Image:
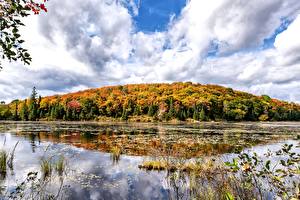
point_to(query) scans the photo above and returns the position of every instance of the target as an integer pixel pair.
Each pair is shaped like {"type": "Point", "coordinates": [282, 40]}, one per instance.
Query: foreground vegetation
{"type": "Point", "coordinates": [38, 185]}
{"type": "Point", "coordinates": [158, 102]}
{"type": "Point", "coordinates": [276, 175]}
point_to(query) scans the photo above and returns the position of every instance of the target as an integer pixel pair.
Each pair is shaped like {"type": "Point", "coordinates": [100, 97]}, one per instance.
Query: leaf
{"type": "Point", "coordinates": [229, 196]}
{"type": "Point", "coordinates": [282, 162]}
{"type": "Point", "coordinates": [268, 165]}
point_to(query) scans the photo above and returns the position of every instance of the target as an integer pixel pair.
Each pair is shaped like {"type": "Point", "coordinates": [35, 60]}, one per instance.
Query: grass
{"type": "Point", "coordinates": [3, 161]}
{"type": "Point", "coordinates": [11, 157]}
{"type": "Point", "coordinates": [60, 165]}
{"type": "Point", "coordinates": [247, 177]}
{"type": "Point", "coordinates": [200, 179]}
{"type": "Point", "coordinates": [154, 165]}
{"type": "Point", "coordinates": [46, 167]}
{"type": "Point", "coordinates": [177, 165]}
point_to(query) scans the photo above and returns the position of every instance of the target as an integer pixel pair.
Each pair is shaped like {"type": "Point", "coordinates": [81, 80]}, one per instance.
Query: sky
{"type": "Point", "coordinates": [253, 46]}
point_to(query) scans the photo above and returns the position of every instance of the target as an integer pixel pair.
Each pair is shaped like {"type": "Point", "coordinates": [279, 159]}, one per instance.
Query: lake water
{"type": "Point", "coordinates": [92, 172]}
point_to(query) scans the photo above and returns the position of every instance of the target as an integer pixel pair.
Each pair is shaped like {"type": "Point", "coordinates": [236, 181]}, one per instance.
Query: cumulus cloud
{"type": "Point", "coordinates": [96, 32]}
{"type": "Point", "coordinates": [81, 44]}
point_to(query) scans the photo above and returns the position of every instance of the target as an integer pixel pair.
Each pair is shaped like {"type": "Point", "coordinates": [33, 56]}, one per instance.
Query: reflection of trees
{"type": "Point", "coordinates": [31, 137]}
{"type": "Point", "coordinates": [161, 142]}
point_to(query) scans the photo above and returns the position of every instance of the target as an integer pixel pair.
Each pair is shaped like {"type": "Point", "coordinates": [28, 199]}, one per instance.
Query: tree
{"type": "Point", "coordinates": [33, 105]}
{"type": "Point", "coordinates": [172, 111]}
{"type": "Point", "coordinates": [11, 12]}
{"type": "Point", "coordinates": [152, 110]}
{"type": "Point", "coordinates": [15, 114]}
{"type": "Point", "coordinates": [124, 114]}
{"type": "Point", "coordinates": [202, 115]}
{"type": "Point", "coordinates": [24, 111]}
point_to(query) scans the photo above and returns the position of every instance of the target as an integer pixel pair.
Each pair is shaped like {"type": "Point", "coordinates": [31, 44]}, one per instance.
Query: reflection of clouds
{"type": "Point", "coordinates": [95, 169]}
{"type": "Point", "coordinates": [122, 181]}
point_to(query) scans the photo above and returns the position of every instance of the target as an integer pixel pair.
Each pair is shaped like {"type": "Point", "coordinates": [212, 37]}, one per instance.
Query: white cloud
{"type": "Point", "coordinates": [81, 44]}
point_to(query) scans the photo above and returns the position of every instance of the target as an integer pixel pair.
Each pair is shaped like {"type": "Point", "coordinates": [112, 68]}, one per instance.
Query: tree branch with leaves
{"type": "Point", "coordinates": [11, 14]}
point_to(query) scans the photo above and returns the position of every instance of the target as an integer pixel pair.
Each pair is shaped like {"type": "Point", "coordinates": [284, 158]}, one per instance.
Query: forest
{"type": "Point", "coordinates": [152, 102]}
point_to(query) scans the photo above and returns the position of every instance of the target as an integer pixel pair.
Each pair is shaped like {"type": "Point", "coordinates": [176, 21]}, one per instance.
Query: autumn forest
{"type": "Point", "coordinates": [152, 102]}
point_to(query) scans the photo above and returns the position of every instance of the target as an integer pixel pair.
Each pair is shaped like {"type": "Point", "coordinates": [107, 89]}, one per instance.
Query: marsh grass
{"type": "Point", "coordinates": [60, 165]}
{"type": "Point", "coordinates": [274, 176]}
{"type": "Point", "coordinates": [46, 167]}
{"type": "Point", "coordinates": [12, 156]}
{"type": "Point", "coordinates": [3, 161]}
{"type": "Point", "coordinates": [154, 165]}
{"type": "Point", "coordinates": [173, 164]}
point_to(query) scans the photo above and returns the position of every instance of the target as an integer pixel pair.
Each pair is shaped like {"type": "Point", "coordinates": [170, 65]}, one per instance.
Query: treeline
{"type": "Point", "coordinates": [161, 102]}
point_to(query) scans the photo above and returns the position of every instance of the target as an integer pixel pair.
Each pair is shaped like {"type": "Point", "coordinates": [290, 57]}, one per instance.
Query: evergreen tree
{"type": "Point", "coordinates": [172, 111]}
{"type": "Point", "coordinates": [152, 110]}
{"type": "Point", "coordinates": [33, 105]}
{"type": "Point", "coordinates": [124, 114]}
{"type": "Point", "coordinates": [196, 113]}
{"type": "Point", "coordinates": [137, 110]}
{"type": "Point", "coordinates": [202, 115]}
{"type": "Point", "coordinates": [39, 107]}
{"type": "Point", "coordinates": [24, 111]}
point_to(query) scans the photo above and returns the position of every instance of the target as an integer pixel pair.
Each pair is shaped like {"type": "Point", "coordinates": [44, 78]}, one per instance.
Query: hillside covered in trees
{"type": "Point", "coordinates": [154, 102]}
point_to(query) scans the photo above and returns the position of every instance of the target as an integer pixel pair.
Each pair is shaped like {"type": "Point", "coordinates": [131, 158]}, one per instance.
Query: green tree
{"type": "Point", "coordinates": [152, 110]}
{"type": "Point", "coordinates": [24, 111]}
{"type": "Point", "coordinates": [124, 114]}
{"type": "Point", "coordinates": [172, 111]}
{"type": "Point", "coordinates": [33, 105]}
{"type": "Point", "coordinates": [16, 104]}
{"type": "Point", "coordinates": [202, 115]}
{"type": "Point", "coordinates": [196, 114]}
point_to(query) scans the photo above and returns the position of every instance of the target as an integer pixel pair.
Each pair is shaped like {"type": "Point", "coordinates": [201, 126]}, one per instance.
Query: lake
{"type": "Point", "coordinates": [102, 159]}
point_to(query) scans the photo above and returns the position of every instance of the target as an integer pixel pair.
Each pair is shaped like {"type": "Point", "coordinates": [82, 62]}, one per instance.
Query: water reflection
{"type": "Point", "coordinates": [102, 160]}
{"type": "Point", "coordinates": [144, 140]}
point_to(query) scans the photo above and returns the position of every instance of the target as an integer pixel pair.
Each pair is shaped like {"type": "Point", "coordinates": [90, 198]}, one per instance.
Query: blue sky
{"type": "Point", "coordinates": [247, 45]}
{"type": "Point", "coordinates": [154, 15]}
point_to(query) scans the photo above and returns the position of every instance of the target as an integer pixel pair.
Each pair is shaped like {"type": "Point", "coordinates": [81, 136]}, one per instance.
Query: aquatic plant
{"type": "Point", "coordinates": [154, 165]}
{"type": "Point", "coordinates": [247, 177]}
{"type": "Point", "coordinates": [177, 164]}
{"type": "Point", "coordinates": [46, 167]}
{"type": "Point", "coordinates": [3, 161]}
{"type": "Point", "coordinates": [282, 177]}
{"type": "Point", "coordinates": [60, 165]}
{"type": "Point", "coordinates": [37, 188]}
{"type": "Point", "coordinates": [12, 156]}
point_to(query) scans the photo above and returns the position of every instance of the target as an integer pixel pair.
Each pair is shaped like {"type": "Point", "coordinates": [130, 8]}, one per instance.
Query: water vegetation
{"type": "Point", "coordinates": [153, 102]}
{"type": "Point", "coordinates": [38, 184]}
{"type": "Point", "coordinates": [46, 167]}
{"type": "Point", "coordinates": [60, 165]}
{"type": "Point", "coordinates": [275, 175]}
{"type": "Point", "coordinates": [3, 161]}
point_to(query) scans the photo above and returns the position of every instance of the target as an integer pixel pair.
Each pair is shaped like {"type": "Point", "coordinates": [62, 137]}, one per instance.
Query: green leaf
{"type": "Point", "coordinates": [229, 196]}
{"type": "Point", "coordinates": [268, 165]}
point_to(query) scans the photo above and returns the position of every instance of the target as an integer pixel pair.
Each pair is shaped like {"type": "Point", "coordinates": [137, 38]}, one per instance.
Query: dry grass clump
{"type": "Point", "coordinates": [154, 165]}
{"type": "Point", "coordinates": [178, 165]}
